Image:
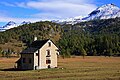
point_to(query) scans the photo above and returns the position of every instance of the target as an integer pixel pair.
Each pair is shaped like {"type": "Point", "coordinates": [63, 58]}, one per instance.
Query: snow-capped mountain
{"type": "Point", "coordinates": [12, 24]}
{"type": "Point", "coordinates": [9, 25]}
{"type": "Point", "coordinates": [69, 20]}
{"type": "Point", "coordinates": [104, 12]}
{"type": "Point", "coordinates": [24, 22]}
{"type": "Point", "coordinates": [74, 20]}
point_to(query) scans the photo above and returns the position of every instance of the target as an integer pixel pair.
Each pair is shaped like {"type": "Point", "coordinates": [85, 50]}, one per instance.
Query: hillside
{"type": "Point", "coordinates": [85, 38]}
{"type": "Point", "coordinates": [109, 26]}
{"type": "Point", "coordinates": [97, 37]}
{"type": "Point", "coordinates": [25, 34]}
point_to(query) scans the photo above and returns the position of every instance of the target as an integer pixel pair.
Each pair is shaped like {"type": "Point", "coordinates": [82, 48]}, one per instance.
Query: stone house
{"type": "Point", "coordinates": [40, 55]}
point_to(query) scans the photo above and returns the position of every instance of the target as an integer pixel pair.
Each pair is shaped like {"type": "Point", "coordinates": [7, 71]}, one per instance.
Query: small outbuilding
{"type": "Point", "coordinates": [40, 54]}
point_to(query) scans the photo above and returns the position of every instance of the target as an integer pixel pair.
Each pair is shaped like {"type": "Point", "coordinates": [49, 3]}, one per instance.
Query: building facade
{"type": "Point", "coordinates": [40, 55]}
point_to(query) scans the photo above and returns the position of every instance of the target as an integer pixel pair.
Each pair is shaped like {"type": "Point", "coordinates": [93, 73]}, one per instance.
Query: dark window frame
{"type": "Point", "coordinates": [48, 61]}
{"type": "Point", "coordinates": [49, 44]}
{"type": "Point", "coordinates": [48, 53]}
{"type": "Point", "coordinates": [36, 54]}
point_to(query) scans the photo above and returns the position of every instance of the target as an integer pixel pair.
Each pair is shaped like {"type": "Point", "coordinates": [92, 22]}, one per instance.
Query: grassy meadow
{"type": "Point", "coordinates": [76, 68]}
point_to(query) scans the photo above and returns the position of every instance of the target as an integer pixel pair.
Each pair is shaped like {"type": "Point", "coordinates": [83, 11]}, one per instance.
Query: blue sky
{"type": "Point", "coordinates": [36, 10]}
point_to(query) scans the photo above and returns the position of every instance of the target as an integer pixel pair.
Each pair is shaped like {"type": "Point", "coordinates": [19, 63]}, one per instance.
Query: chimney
{"type": "Point", "coordinates": [35, 38]}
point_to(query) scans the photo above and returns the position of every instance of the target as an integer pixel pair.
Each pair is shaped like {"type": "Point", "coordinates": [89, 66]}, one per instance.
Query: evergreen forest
{"type": "Point", "coordinates": [91, 38]}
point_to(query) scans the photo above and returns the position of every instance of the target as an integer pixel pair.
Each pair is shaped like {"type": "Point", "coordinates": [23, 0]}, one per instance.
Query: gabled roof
{"type": "Point", "coordinates": [18, 61]}
{"type": "Point", "coordinates": [34, 46]}
{"type": "Point", "coordinates": [38, 43]}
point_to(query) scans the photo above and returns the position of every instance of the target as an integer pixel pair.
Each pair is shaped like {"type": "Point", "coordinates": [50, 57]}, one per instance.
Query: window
{"type": "Point", "coordinates": [49, 44]}
{"type": "Point", "coordinates": [48, 61]}
{"type": "Point", "coordinates": [36, 54]}
{"type": "Point", "coordinates": [24, 60]}
{"type": "Point", "coordinates": [48, 53]}
{"type": "Point", "coordinates": [30, 60]}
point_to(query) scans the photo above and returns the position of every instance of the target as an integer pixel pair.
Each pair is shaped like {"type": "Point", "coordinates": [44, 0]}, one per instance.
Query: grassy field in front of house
{"type": "Point", "coordinates": [90, 68]}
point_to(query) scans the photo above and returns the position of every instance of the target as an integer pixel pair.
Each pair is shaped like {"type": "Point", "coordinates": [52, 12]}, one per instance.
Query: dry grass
{"type": "Point", "coordinates": [15, 45]}
{"type": "Point", "coordinates": [90, 68]}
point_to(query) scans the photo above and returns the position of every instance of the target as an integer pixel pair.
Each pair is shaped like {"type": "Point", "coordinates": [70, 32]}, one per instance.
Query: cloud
{"type": "Point", "coordinates": [7, 4]}
{"type": "Point", "coordinates": [18, 20]}
{"type": "Point", "coordinates": [61, 8]}
{"type": "Point", "coordinates": [53, 9]}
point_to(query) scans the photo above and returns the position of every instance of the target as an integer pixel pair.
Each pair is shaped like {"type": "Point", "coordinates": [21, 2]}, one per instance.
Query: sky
{"type": "Point", "coordinates": [37, 10]}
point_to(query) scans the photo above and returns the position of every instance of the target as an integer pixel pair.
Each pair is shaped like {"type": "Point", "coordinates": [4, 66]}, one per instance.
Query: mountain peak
{"type": "Point", "coordinates": [10, 23]}
{"type": "Point", "coordinates": [108, 6]}
{"type": "Point", "coordinates": [25, 22]}
{"type": "Point", "coordinates": [111, 4]}
{"type": "Point", "coordinates": [104, 12]}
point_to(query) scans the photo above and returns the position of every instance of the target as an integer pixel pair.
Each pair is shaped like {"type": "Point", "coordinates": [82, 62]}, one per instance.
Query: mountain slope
{"type": "Point", "coordinates": [26, 32]}
{"type": "Point", "coordinates": [104, 12]}
{"type": "Point", "coordinates": [24, 22]}
{"type": "Point", "coordinates": [104, 26]}
{"type": "Point", "coordinates": [9, 25]}
{"type": "Point", "coordinates": [12, 24]}
{"type": "Point", "coordinates": [89, 36]}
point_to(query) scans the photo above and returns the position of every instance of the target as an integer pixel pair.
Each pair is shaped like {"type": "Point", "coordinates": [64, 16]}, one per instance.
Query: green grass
{"type": "Point", "coordinates": [90, 68]}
